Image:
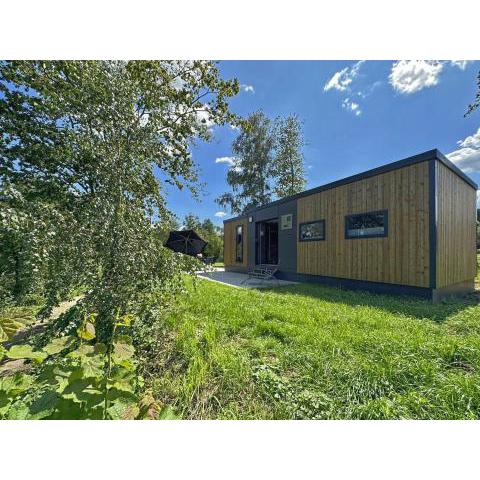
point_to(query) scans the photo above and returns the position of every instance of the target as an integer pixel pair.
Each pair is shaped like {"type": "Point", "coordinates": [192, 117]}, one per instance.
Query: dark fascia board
{"type": "Point", "coordinates": [434, 154]}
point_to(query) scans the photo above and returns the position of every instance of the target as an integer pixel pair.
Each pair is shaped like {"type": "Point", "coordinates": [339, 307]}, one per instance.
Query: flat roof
{"type": "Point", "coordinates": [421, 157]}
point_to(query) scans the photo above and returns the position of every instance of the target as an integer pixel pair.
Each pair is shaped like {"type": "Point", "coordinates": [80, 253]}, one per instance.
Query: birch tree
{"type": "Point", "coordinates": [97, 141]}
{"type": "Point", "coordinates": [250, 175]}
{"type": "Point", "coordinates": [287, 167]}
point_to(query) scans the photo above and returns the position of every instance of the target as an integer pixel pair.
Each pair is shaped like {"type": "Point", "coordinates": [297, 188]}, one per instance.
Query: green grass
{"type": "Point", "coordinates": [308, 351]}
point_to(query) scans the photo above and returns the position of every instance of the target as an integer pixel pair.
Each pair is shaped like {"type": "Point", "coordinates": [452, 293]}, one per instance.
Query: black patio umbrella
{"type": "Point", "coordinates": [185, 241]}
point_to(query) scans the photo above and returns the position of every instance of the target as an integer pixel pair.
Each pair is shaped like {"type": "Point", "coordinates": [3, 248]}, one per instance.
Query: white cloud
{"type": "Point", "coordinates": [339, 81]}
{"type": "Point", "coordinates": [247, 88]}
{"type": "Point", "coordinates": [367, 91]}
{"type": "Point", "coordinates": [203, 116]}
{"type": "Point", "coordinates": [342, 79]}
{"type": "Point", "coordinates": [352, 106]}
{"type": "Point", "coordinates": [220, 214]}
{"type": "Point", "coordinates": [230, 161]}
{"type": "Point", "coordinates": [410, 76]}
{"type": "Point", "coordinates": [461, 64]}
{"type": "Point", "coordinates": [467, 157]}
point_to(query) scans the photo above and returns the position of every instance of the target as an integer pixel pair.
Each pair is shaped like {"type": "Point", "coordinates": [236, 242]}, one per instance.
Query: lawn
{"type": "Point", "coordinates": [309, 351]}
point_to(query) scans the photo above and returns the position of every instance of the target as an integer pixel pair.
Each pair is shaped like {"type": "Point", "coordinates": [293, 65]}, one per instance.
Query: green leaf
{"type": "Point", "coordinates": [25, 351]}
{"type": "Point", "coordinates": [124, 321]}
{"type": "Point", "coordinates": [86, 331]}
{"type": "Point", "coordinates": [5, 403]}
{"type": "Point", "coordinates": [93, 398]}
{"type": "Point", "coordinates": [76, 374]}
{"type": "Point", "coordinates": [75, 388]}
{"type": "Point", "coordinates": [93, 366]}
{"type": "Point", "coordinates": [3, 352]}
{"type": "Point", "coordinates": [18, 411]}
{"type": "Point", "coordinates": [100, 349]}
{"type": "Point", "coordinates": [53, 376]}
{"type": "Point", "coordinates": [16, 384]}
{"type": "Point", "coordinates": [126, 365]}
{"type": "Point", "coordinates": [122, 349]}
{"type": "Point", "coordinates": [168, 413]}
{"type": "Point", "coordinates": [8, 328]}
{"type": "Point", "coordinates": [68, 410]}
{"type": "Point", "coordinates": [44, 406]}
{"type": "Point", "coordinates": [58, 344]}
{"type": "Point", "coordinates": [82, 351]}
{"type": "Point", "coordinates": [82, 391]}
{"type": "Point", "coordinates": [123, 409]}
{"type": "Point", "coordinates": [123, 379]}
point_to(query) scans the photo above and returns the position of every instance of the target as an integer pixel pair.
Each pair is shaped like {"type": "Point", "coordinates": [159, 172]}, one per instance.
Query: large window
{"type": "Point", "coordinates": [312, 231]}
{"type": "Point", "coordinates": [364, 225]}
{"type": "Point", "coordinates": [239, 244]}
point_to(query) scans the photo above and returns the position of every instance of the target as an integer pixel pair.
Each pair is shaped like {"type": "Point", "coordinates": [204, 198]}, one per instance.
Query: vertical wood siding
{"type": "Point", "coordinates": [229, 229]}
{"type": "Point", "coordinates": [456, 219]}
{"type": "Point", "coordinates": [400, 258]}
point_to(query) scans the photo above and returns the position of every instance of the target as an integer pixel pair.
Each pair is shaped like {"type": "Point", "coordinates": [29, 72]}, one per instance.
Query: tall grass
{"type": "Point", "coordinates": [309, 351]}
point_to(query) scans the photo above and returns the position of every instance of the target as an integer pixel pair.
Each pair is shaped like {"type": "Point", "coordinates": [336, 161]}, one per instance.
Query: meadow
{"type": "Point", "coordinates": [314, 352]}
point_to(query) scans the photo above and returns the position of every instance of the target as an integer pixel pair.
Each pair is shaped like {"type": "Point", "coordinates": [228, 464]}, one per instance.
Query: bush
{"type": "Point", "coordinates": [78, 378]}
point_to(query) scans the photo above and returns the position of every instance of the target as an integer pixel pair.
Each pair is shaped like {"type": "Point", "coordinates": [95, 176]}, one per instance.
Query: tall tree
{"type": "Point", "coordinates": [476, 103]}
{"type": "Point", "coordinates": [192, 222]}
{"type": "Point", "coordinates": [287, 167]}
{"type": "Point", "coordinates": [214, 237]}
{"type": "Point", "coordinates": [250, 175]}
{"type": "Point", "coordinates": [86, 138]}
{"type": "Point", "coordinates": [207, 230]}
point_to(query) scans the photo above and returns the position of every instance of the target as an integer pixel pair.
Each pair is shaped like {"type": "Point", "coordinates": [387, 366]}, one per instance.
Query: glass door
{"type": "Point", "coordinates": [266, 239]}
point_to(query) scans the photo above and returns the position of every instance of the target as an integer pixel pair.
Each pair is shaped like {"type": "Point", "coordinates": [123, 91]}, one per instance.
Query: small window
{"type": "Point", "coordinates": [312, 231]}
{"type": "Point", "coordinates": [364, 225]}
{"type": "Point", "coordinates": [239, 244]}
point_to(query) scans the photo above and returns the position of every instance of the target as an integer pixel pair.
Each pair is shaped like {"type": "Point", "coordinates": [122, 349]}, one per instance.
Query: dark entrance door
{"type": "Point", "coordinates": [267, 242]}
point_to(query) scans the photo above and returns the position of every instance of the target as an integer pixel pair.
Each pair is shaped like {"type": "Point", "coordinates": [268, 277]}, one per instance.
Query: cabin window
{"type": "Point", "coordinates": [365, 225]}
{"type": "Point", "coordinates": [239, 244]}
{"type": "Point", "coordinates": [312, 231]}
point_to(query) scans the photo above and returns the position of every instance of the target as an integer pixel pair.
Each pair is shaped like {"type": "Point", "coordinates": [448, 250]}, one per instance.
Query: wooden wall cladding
{"type": "Point", "coordinates": [400, 258]}
{"type": "Point", "coordinates": [456, 222]}
{"type": "Point", "coordinates": [229, 229]}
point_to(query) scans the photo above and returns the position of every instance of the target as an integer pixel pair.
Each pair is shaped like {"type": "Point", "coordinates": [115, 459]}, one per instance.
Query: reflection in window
{"type": "Point", "coordinates": [372, 224]}
{"type": "Point", "coordinates": [239, 244]}
{"type": "Point", "coordinates": [312, 231]}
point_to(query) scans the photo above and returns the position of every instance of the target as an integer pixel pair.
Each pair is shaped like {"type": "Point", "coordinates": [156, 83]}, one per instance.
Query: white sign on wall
{"type": "Point", "coordinates": [286, 221]}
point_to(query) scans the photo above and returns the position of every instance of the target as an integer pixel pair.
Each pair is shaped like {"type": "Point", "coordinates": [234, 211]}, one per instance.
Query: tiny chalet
{"type": "Point", "coordinates": [407, 227]}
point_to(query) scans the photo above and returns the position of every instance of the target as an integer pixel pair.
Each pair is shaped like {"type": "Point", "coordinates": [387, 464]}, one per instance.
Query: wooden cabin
{"type": "Point", "coordinates": [407, 227]}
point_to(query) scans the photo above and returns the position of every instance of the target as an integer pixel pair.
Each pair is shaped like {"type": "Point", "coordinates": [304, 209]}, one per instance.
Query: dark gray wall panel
{"type": "Point", "coordinates": [287, 239]}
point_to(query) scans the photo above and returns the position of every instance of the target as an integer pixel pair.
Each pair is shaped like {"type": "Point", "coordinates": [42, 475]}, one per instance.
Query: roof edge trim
{"type": "Point", "coordinates": [421, 157]}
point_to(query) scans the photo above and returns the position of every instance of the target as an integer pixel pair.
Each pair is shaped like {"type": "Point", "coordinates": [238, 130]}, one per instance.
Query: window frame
{"type": "Point", "coordinates": [300, 239]}
{"type": "Point", "coordinates": [373, 235]}
{"type": "Point", "coordinates": [237, 243]}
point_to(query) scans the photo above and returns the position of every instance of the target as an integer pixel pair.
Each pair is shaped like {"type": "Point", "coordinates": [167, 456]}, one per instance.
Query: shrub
{"type": "Point", "coordinates": [78, 378]}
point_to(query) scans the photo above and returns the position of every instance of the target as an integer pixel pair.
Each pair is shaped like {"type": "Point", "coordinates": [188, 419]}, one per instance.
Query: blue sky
{"type": "Point", "coordinates": [357, 116]}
